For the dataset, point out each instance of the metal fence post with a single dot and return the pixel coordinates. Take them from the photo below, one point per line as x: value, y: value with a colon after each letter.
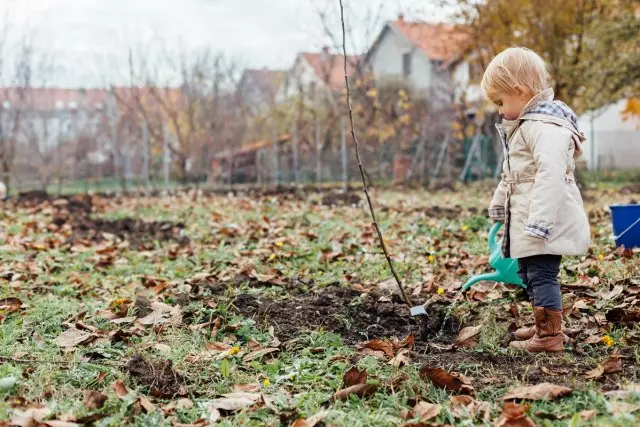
x: 165, y: 138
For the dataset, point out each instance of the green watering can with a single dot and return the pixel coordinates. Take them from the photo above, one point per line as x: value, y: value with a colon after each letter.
x: 506, y: 268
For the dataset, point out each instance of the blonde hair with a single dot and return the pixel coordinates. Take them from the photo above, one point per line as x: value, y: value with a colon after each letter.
x: 513, y: 68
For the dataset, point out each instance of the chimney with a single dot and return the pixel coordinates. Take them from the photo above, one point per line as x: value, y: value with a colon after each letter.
x: 401, y: 17
x: 325, y: 53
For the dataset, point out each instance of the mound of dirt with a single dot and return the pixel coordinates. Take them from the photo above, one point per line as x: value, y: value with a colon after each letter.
x: 76, y: 211
x: 354, y: 315
x: 140, y: 234
x: 335, y: 199
x: 159, y: 376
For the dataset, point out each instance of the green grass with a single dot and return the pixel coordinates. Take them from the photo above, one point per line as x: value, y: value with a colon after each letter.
x: 57, y: 285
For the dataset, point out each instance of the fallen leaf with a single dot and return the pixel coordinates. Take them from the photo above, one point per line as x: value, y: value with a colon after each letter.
x: 400, y: 359
x: 146, y: 404
x: 543, y: 391
x: 29, y: 417
x: 259, y: 353
x: 246, y: 388
x: 162, y: 314
x: 613, y: 365
x: 466, y: 406
x: 312, y: 420
x: 468, y: 337
x: 360, y: 390
x: 617, y: 290
x: 235, y: 401
x: 619, y: 407
x: 596, y: 372
x: 353, y: 377
x: 453, y: 381
x: 120, y: 389
x: 514, y: 415
x: 409, y: 342
x: 587, y: 414
x: 73, y: 337
x: 60, y: 423
x: 380, y: 345
x: 427, y: 411
x: 162, y: 348
x: 93, y: 399
x: 9, y: 305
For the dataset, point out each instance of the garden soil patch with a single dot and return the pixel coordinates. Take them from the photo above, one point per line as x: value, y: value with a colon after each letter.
x: 159, y: 376
x: 354, y: 315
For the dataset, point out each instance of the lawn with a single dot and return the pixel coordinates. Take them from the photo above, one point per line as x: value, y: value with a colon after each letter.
x: 279, y: 309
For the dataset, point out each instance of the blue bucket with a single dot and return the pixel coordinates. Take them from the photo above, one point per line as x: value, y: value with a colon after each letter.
x: 626, y: 225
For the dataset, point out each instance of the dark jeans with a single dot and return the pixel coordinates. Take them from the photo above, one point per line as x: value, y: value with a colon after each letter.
x: 540, y: 274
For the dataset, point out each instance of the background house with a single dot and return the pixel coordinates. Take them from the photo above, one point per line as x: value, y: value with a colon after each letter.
x: 315, y: 75
x: 612, y: 141
x: 415, y: 53
x: 257, y: 89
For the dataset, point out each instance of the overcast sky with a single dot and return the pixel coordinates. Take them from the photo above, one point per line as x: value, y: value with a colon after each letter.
x: 87, y: 35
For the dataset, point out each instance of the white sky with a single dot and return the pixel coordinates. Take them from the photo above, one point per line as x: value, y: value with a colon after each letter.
x: 86, y: 36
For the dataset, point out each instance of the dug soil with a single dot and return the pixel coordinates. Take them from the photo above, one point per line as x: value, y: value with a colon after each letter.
x: 78, y: 212
x: 354, y: 315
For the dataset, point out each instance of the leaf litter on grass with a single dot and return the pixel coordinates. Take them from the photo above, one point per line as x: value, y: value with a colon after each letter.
x: 320, y: 280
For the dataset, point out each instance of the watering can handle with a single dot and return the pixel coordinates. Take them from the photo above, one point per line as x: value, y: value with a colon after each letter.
x: 493, y: 243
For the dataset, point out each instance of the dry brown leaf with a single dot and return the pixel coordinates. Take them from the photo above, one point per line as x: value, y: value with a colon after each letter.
x: 380, y: 345
x: 259, y: 353
x: 466, y: 406
x: 620, y: 407
x: 94, y: 399
x: 162, y: 314
x: 120, y: 389
x: 613, y: 294
x: 235, y: 401
x: 146, y: 404
x: 60, y: 423
x: 9, y: 305
x: 354, y: 376
x: 613, y: 365
x: 360, y: 390
x: 468, y: 337
x: 543, y: 391
x: 409, y: 342
x: 587, y: 414
x: 312, y: 420
x: 73, y: 337
x: 29, y: 417
x: 514, y: 415
x: 218, y: 346
x: 400, y: 359
x: 246, y: 388
x: 427, y: 411
x: 453, y: 381
x: 596, y: 372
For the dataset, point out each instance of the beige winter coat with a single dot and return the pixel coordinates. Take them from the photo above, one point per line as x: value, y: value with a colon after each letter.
x: 538, y: 198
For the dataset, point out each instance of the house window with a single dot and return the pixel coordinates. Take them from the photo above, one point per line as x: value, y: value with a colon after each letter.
x: 406, y: 64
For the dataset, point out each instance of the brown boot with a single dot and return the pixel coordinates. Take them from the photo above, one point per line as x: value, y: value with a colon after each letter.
x: 548, y: 335
x: 527, y: 332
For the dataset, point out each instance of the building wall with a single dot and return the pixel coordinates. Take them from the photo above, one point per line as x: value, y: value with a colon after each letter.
x: 386, y: 61
x: 461, y: 77
x: 612, y: 143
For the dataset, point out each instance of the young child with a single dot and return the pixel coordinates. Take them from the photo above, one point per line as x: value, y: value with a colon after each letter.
x: 537, y: 198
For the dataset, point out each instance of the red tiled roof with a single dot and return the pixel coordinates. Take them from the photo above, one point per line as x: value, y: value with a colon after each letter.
x: 330, y: 67
x: 439, y: 41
